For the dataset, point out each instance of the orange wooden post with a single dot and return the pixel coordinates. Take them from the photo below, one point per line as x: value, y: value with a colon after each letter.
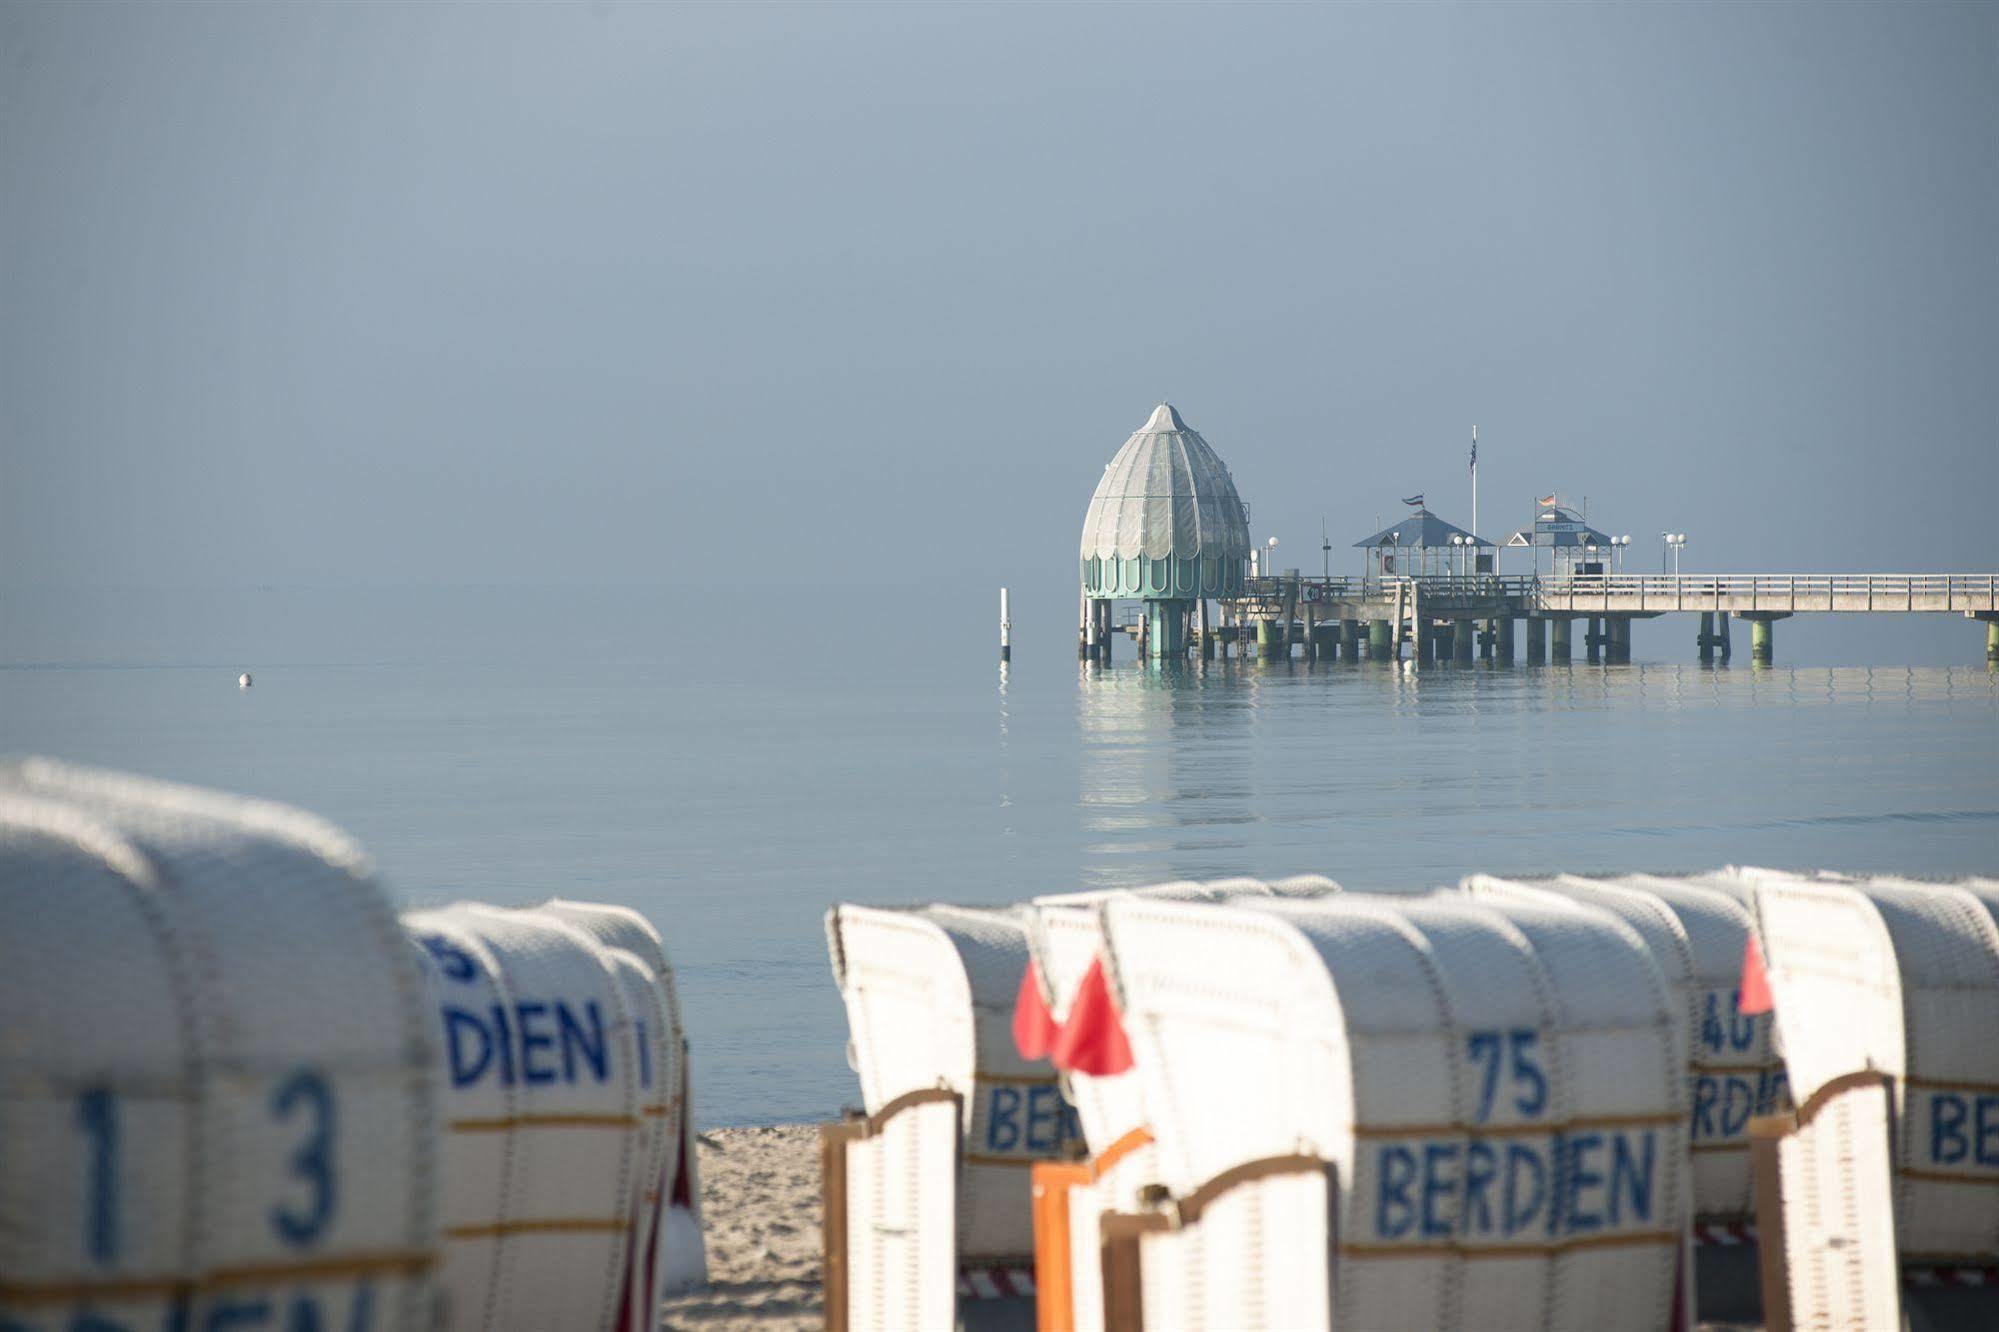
x: 1054, y: 1283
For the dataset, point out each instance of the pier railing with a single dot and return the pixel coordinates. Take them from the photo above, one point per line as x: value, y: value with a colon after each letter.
x: 1784, y: 593
x: 1658, y: 593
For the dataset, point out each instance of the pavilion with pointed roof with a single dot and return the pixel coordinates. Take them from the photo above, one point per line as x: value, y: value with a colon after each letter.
x: 1572, y: 545
x: 1423, y: 545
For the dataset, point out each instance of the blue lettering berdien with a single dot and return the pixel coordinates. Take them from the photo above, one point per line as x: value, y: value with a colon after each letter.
x: 559, y: 1042
x: 1028, y: 1123
x: 1558, y: 1185
x: 1963, y: 1127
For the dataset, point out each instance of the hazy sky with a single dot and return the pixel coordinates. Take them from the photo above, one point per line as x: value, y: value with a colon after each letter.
x: 375, y: 293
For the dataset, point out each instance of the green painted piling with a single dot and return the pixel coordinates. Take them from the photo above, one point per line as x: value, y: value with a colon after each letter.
x: 1504, y: 650
x: 1617, y: 641
x: 1350, y: 639
x: 1762, y: 640
x: 1165, y: 630
x: 1379, y: 638
x: 1593, y: 639
x: 1537, y: 639
x: 1563, y: 634
x: 1463, y: 633
x: 1705, y: 641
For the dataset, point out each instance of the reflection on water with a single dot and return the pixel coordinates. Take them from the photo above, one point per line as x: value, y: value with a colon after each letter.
x: 1389, y: 777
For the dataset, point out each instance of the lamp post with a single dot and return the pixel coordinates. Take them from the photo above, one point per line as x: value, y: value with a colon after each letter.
x: 1618, y: 546
x: 1675, y: 542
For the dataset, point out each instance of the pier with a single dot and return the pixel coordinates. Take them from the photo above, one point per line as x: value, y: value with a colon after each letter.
x: 1487, y: 616
x: 1166, y: 528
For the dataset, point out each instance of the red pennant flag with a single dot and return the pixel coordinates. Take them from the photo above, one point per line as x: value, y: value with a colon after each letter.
x: 1034, y: 1026
x: 1093, y: 1039
x: 1754, y: 996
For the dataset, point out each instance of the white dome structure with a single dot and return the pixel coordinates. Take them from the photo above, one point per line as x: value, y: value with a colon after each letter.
x: 1166, y: 523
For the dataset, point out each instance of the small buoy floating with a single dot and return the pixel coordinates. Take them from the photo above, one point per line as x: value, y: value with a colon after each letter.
x: 243, y: 681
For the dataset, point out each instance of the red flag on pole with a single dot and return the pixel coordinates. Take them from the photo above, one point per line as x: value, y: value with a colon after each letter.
x: 1033, y: 1025
x: 1754, y: 996
x: 1093, y: 1039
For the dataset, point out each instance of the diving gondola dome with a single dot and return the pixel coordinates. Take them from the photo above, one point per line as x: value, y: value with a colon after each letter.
x: 1166, y: 522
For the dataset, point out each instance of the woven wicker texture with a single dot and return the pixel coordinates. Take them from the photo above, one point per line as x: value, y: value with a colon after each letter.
x: 669, y: 1098
x: 303, y: 1161
x: 929, y: 993
x: 901, y: 1200
x: 553, y: 1026
x: 1441, y: 1052
x: 1839, y: 1236
x: 651, y: 1041
x: 96, y: 1010
x: 477, y: 1167
x: 1696, y: 936
x: 1903, y: 978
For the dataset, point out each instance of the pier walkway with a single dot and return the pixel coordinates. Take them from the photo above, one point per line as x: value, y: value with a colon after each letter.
x: 1464, y: 616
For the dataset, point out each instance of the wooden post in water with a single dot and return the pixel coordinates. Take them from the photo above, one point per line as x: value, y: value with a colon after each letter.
x: 1537, y: 639
x: 1207, y: 628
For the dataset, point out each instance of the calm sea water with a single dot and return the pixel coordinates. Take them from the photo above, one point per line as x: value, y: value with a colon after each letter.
x: 732, y: 773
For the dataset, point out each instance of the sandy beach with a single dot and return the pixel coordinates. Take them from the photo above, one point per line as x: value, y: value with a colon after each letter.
x: 760, y: 1204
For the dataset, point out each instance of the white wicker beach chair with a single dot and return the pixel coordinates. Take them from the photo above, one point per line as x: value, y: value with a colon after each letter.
x: 550, y: 1039
x: 929, y: 993
x: 1499, y: 1094
x: 1897, y: 980
x: 672, y: 1231
x: 1697, y: 935
x: 218, y: 1087
x: 1065, y: 937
